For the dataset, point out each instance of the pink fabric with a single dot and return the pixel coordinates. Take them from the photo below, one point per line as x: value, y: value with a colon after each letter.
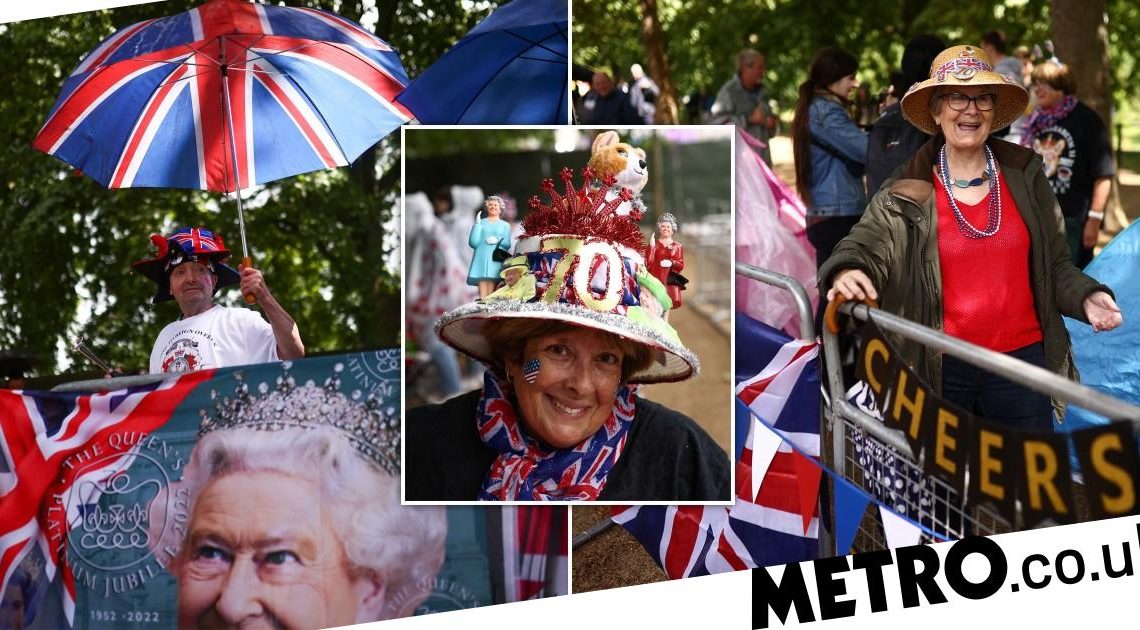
x: 770, y: 234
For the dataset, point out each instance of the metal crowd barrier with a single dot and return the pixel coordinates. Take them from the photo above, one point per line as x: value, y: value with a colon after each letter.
x: 708, y: 254
x: 938, y: 507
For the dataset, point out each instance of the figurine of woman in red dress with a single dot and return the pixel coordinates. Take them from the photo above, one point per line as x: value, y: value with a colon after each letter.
x: 666, y: 256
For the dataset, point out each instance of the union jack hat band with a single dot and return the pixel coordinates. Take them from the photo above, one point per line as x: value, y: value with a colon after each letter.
x: 964, y: 66
x: 186, y: 245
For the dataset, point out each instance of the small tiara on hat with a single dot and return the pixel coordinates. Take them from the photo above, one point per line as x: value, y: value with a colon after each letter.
x: 372, y: 432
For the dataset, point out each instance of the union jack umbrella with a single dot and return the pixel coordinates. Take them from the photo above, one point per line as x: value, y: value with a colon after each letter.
x: 226, y: 96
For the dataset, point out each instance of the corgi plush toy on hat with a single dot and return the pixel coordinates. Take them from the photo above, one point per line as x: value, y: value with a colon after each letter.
x: 626, y: 164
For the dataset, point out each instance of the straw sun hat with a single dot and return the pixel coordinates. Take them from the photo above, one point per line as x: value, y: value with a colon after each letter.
x: 969, y: 66
x: 590, y: 272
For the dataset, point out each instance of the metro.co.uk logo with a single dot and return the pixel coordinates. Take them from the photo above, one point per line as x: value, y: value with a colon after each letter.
x: 973, y: 568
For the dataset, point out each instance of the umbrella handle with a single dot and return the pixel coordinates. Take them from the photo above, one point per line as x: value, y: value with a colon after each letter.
x: 246, y: 263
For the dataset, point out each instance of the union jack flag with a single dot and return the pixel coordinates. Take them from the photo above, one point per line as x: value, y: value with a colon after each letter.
x: 774, y: 519
x: 55, y: 451
x: 959, y: 64
x: 306, y: 90
x: 526, y: 471
x: 534, y: 551
x: 198, y: 239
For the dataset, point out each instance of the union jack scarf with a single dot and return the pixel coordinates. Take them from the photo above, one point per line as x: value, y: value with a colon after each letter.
x: 1044, y: 117
x: 525, y: 470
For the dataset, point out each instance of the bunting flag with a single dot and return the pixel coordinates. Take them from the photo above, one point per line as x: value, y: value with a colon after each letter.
x: 850, y: 506
x: 899, y: 531
x: 775, y: 518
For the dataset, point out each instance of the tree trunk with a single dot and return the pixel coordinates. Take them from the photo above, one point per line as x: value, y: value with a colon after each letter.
x: 658, y: 60
x: 1080, y: 38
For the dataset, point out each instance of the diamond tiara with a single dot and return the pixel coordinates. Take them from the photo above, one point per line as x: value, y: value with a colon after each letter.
x: 372, y: 432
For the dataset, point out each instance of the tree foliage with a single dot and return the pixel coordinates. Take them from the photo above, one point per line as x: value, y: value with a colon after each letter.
x: 320, y: 238
x: 704, y: 37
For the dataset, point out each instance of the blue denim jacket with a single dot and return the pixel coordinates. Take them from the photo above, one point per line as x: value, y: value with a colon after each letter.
x: 835, y: 191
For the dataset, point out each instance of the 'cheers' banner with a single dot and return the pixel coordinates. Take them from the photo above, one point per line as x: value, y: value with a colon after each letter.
x: 1004, y: 464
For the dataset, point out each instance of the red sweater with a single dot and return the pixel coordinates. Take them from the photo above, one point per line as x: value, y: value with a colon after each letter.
x: 985, y: 281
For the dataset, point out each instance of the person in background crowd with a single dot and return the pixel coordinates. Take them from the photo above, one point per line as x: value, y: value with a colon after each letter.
x: 994, y: 44
x: 743, y: 101
x: 604, y: 104
x: 1073, y: 142
x: 830, y: 150
x: 643, y: 93
x: 865, y: 108
x: 893, y: 140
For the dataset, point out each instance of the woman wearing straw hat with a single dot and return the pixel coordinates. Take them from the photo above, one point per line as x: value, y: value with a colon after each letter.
x: 558, y: 418
x: 968, y: 238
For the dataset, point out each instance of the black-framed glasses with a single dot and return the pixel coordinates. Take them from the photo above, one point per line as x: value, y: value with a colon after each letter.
x: 959, y: 102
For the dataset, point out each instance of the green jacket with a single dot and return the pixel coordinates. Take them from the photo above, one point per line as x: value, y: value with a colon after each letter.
x: 896, y: 245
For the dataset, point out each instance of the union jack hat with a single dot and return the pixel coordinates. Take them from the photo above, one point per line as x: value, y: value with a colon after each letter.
x: 589, y: 269
x: 963, y: 66
x: 186, y: 245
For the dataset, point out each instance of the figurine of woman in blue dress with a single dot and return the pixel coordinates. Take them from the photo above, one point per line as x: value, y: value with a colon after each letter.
x: 487, y: 235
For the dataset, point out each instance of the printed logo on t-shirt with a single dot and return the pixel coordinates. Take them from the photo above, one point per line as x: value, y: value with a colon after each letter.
x: 1059, y: 152
x: 181, y: 356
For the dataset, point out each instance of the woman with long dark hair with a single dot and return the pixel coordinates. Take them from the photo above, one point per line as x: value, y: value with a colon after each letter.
x: 830, y: 151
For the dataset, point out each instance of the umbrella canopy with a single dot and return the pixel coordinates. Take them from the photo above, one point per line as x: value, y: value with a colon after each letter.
x: 510, y: 69
x: 177, y: 102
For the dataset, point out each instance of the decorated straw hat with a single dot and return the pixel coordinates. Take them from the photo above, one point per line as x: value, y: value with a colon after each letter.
x: 963, y: 66
x: 589, y: 271
x: 186, y: 245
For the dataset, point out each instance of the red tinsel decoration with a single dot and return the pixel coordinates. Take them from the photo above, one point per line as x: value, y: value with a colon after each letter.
x: 583, y: 212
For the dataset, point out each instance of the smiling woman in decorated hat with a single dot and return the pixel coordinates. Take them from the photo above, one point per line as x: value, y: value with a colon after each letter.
x: 558, y: 417
x: 968, y: 238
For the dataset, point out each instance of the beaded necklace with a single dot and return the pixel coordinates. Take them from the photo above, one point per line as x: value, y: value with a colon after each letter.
x: 994, y: 207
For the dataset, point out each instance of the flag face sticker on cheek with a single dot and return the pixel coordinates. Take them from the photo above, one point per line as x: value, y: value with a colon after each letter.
x: 530, y: 370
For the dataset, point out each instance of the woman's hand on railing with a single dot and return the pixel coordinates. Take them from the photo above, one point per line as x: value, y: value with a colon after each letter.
x: 1102, y: 312
x: 852, y: 284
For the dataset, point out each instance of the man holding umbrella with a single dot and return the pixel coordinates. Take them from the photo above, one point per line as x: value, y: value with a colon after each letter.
x: 189, y: 269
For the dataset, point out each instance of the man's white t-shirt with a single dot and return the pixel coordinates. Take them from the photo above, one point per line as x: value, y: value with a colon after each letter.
x: 220, y: 337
